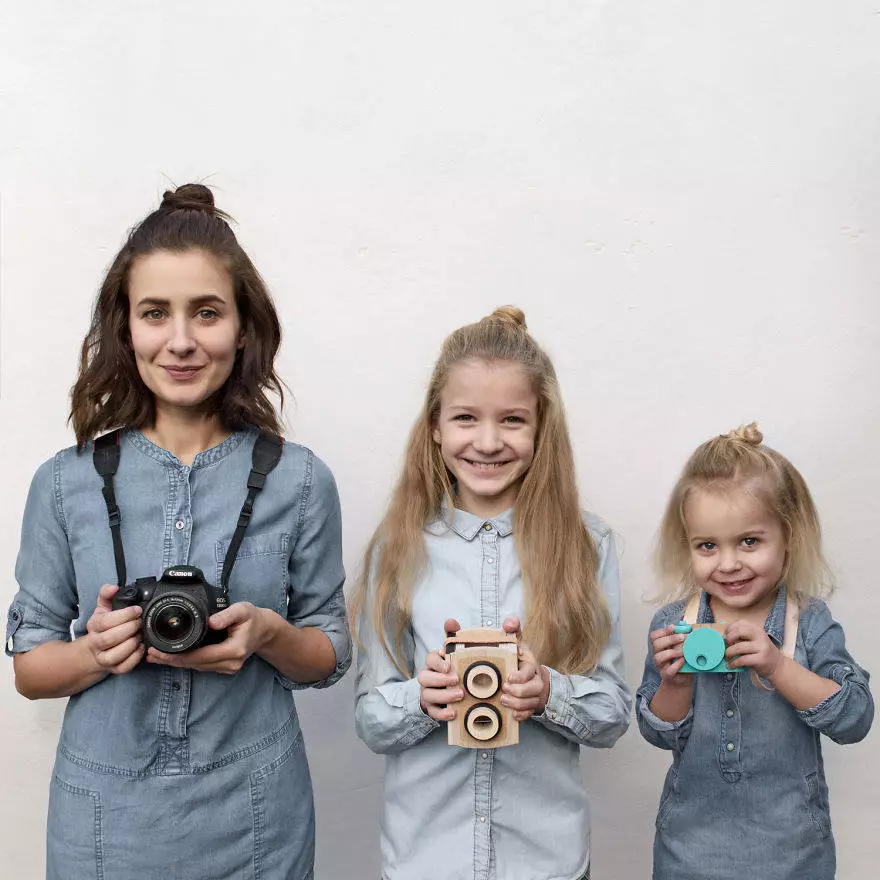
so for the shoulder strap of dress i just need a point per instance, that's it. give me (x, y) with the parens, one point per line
(792, 615)
(692, 609)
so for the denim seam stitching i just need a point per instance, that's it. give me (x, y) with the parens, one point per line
(305, 497)
(95, 798)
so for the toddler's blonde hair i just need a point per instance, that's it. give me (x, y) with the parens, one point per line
(736, 459)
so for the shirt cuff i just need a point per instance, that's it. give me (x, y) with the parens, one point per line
(643, 700)
(23, 635)
(558, 709)
(825, 712)
(341, 649)
(418, 723)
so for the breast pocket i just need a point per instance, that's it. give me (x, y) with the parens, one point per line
(260, 574)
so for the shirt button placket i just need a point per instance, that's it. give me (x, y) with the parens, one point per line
(482, 813)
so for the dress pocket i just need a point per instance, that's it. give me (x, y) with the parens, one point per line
(74, 841)
(667, 798)
(818, 795)
(284, 817)
(260, 574)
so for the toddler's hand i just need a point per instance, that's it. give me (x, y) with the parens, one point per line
(669, 656)
(750, 646)
(439, 686)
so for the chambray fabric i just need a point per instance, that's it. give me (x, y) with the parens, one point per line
(746, 792)
(169, 772)
(514, 813)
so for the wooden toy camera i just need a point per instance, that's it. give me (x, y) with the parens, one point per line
(704, 647)
(482, 659)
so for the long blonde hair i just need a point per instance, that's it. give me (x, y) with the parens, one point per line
(731, 459)
(567, 620)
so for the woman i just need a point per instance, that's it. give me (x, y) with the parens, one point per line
(183, 763)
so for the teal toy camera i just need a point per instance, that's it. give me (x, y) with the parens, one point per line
(704, 647)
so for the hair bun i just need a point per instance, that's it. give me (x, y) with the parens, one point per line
(749, 434)
(509, 315)
(191, 197)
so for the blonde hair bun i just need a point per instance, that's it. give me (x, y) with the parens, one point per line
(750, 434)
(509, 315)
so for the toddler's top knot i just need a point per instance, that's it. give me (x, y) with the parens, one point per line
(749, 434)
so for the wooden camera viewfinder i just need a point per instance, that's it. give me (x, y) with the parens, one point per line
(482, 659)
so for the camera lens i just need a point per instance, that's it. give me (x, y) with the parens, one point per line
(173, 623)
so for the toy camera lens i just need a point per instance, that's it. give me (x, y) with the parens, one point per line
(482, 722)
(482, 680)
(704, 649)
(173, 623)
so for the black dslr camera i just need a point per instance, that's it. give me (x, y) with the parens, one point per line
(176, 609)
(177, 606)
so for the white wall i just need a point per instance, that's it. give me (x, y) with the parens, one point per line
(682, 196)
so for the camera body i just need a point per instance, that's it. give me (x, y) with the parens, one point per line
(704, 647)
(176, 608)
(482, 659)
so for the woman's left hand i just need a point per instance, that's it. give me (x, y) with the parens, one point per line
(527, 690)
(249, 630)
(750, 646)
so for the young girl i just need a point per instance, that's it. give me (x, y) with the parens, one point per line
(746, 794)
(188, 765)
(484, 528)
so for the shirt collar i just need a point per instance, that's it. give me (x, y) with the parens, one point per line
(203, 459)
(468, 526)
(774, 625)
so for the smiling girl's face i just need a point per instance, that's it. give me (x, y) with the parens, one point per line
(737, 548)
(185, 327)
(486, 431)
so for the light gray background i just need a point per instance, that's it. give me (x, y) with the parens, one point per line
(682, 196)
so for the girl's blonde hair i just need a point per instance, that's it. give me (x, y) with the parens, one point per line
(567, 621)
(735, 458)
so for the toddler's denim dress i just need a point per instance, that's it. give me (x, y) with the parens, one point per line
(746, 794)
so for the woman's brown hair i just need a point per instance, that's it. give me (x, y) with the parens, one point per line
(567, 620)
(109, 392)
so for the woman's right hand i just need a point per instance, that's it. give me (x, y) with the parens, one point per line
(114, 637)
(669, 656)
(440, 687)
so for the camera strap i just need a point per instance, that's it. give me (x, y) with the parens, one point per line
(106, 459)
(266, 454)
(105, 456)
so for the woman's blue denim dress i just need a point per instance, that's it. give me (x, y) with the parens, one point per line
(746, 794)
(171, 773)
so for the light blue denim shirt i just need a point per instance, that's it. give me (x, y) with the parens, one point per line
(513, 813)
(746, 794)
(158, 724)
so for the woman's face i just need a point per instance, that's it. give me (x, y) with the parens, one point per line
(185, 326)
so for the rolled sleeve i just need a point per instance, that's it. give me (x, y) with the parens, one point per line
(316, 571)
(846, 715)
(46, 602)
(670, 735)
(594, 710)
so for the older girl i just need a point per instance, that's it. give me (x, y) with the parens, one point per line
(484, 527)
